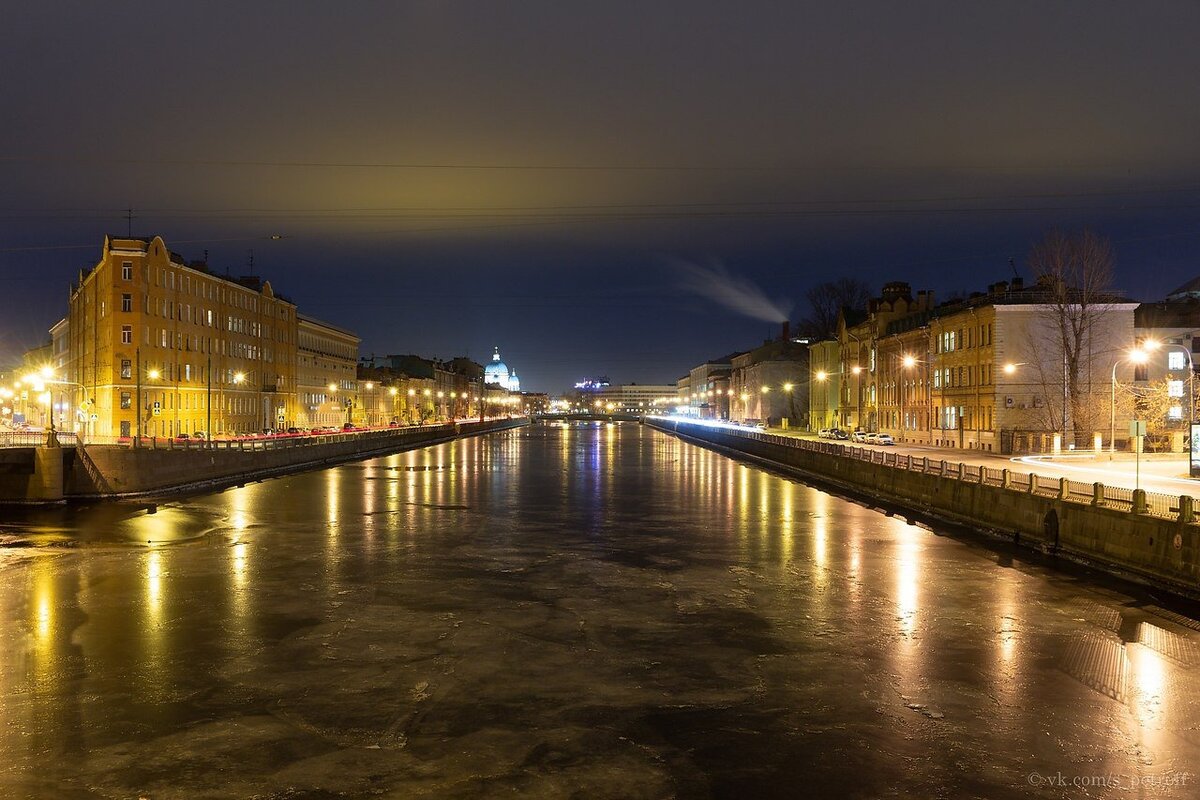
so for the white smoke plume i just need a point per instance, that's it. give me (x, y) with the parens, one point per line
(735, 293)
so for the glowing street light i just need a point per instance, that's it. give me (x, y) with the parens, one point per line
(1135, 356)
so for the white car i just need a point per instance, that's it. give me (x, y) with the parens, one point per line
(884, 438)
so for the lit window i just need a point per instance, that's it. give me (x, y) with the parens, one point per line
(1174, 388)
(126, 368)
(1175, 412)
(126, 400)
(1176, 360)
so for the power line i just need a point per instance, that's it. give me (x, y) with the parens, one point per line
(489, 210)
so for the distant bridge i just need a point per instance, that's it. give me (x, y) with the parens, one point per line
(589, 416)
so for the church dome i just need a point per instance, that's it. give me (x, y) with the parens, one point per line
(497, 371)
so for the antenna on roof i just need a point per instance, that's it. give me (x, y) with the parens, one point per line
(1013, 264)
(129, 222)
(251, 261)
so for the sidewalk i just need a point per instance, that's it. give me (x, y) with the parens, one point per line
(1166, 473)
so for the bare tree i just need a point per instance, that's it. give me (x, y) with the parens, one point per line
(826, 300)
(1074, 273)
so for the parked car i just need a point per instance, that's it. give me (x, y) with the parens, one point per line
(871, 438)
(838, 433)
(394, 424)
(858, 436)
(182, 437)
(348, 426)
(293, 431)
(200, 435)
(884, 438)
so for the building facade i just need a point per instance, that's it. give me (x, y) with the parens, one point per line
(326, 374)
(825, 385)
(160, 346)
(770, 383)
(984, 372)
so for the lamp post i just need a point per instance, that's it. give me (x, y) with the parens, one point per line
(908, 362)
(208, 400)
(137, 404)
(238, 379)
(370, 409)
(1136, 356)
(153, 375)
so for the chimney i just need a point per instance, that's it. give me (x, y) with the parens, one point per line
(787, 331)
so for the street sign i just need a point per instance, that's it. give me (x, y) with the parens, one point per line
(157, 410)
(1137, 427)
(95, 417)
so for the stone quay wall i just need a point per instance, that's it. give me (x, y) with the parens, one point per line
(1152, 539)
(112, 471)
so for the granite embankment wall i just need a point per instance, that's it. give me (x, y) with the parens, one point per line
(1159, 546)
(100, 471)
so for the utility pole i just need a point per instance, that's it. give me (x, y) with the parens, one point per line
(208, 403)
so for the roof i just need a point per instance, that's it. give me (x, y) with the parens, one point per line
(1192, 287)
(323, 324)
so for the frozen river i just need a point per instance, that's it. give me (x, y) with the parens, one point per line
(589, 611)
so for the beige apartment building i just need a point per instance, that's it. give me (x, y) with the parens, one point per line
(984, 373)
(327, 375)
(161, 346)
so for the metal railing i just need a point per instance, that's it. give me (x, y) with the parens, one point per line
(33, 438)
(1155, 504)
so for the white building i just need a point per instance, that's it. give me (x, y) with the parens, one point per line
(498, 374)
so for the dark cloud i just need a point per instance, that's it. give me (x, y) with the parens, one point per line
(455, 175)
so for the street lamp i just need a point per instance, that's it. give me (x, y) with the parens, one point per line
(1135, 356)
(908, 362)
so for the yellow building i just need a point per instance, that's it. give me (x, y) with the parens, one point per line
(327, 368)
(192, 351)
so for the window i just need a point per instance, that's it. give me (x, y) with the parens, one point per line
(1174, 388)
(1175, 412)
(126, 400)
(1175, 360)
(127, 271)
(127, 302)
(126, 334)
(126, 368)
(1141, 373)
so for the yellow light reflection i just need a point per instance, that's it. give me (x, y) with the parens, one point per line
(908, 586)
(43, 622)
(1149, 678)
(154, 583)
(239, 563)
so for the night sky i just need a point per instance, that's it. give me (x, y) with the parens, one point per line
(552, 177)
